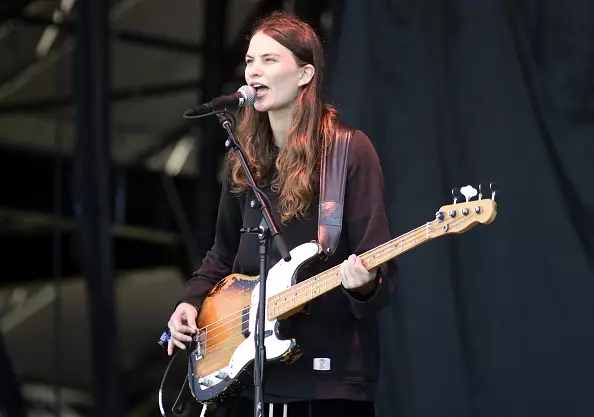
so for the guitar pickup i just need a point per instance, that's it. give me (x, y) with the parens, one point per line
(245, 322)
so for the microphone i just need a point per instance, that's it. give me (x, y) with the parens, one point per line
(245, 96)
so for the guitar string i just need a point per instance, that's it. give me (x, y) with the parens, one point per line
(429, 226)
(364, 256)
(323, 275)
(218, 335)
(313, 285)
(210, 348)
(241, 311)
(319, 285)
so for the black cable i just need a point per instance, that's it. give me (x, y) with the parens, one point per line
(160, 397)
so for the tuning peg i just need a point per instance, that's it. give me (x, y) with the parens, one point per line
(454, 196)
(493, 190)
(468, 191)
(480, 197)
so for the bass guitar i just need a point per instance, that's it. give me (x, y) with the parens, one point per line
(223, 348)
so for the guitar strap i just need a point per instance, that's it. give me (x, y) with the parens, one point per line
(333, 176)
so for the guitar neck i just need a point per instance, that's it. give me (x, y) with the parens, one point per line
(284, 303)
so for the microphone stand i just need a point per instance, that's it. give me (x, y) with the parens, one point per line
(266, 231)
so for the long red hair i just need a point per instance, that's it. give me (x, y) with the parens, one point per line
(314, 123)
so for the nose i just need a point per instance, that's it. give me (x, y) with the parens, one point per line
(254, 71)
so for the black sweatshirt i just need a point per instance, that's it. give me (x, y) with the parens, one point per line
(339, 325)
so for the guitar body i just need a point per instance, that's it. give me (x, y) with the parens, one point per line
(222, 355)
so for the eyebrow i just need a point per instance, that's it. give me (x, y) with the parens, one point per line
(263, 55)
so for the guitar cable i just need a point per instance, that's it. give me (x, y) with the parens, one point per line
(184, 393)
(160, 397)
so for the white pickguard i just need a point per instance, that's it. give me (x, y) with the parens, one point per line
(278, 279)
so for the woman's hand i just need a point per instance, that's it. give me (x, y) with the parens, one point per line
(355, 277)
(181, 324)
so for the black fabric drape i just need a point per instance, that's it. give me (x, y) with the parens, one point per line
(498, 321)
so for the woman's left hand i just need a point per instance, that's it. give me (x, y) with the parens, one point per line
(355, 277)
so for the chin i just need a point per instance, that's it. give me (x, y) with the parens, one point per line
(261, 107)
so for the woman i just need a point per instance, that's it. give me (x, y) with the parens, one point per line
(283, 136)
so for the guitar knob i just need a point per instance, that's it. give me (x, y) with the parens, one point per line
(206, 382)
(222, 375)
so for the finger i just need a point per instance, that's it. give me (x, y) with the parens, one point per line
(182, 328)
(179, 344)
(348, 280)
(175, 324)
(191, 320)
(351, 268)
(342, 271)
(359, 268)
(358, 262)
(180, 336)
(170, 347)
(360, 275)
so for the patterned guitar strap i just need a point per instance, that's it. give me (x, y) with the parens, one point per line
(333, 175)
(333, 169)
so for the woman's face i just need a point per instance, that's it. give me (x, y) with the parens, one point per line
(273, 71)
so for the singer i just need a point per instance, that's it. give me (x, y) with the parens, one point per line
(283, 134)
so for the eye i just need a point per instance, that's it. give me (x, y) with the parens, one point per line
(248, 61)
(270, 59)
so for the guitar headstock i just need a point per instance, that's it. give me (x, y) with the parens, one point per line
(461, 217)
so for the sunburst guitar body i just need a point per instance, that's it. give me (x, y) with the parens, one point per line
(224, 345)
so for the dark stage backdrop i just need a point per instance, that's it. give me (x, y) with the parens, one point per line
(498, 321)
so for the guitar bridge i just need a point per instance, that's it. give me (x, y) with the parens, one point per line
(200, 344)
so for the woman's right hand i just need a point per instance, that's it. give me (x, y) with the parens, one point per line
(181, 324)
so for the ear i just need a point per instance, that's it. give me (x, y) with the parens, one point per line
(307, 73)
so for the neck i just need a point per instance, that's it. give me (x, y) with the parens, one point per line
(280, 122)
(287, 302)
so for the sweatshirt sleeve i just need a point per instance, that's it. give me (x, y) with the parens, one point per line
(218, 262)
(366, 221)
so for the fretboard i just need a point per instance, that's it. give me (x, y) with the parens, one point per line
(293, 298)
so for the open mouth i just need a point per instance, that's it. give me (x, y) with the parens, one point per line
(261, 89)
